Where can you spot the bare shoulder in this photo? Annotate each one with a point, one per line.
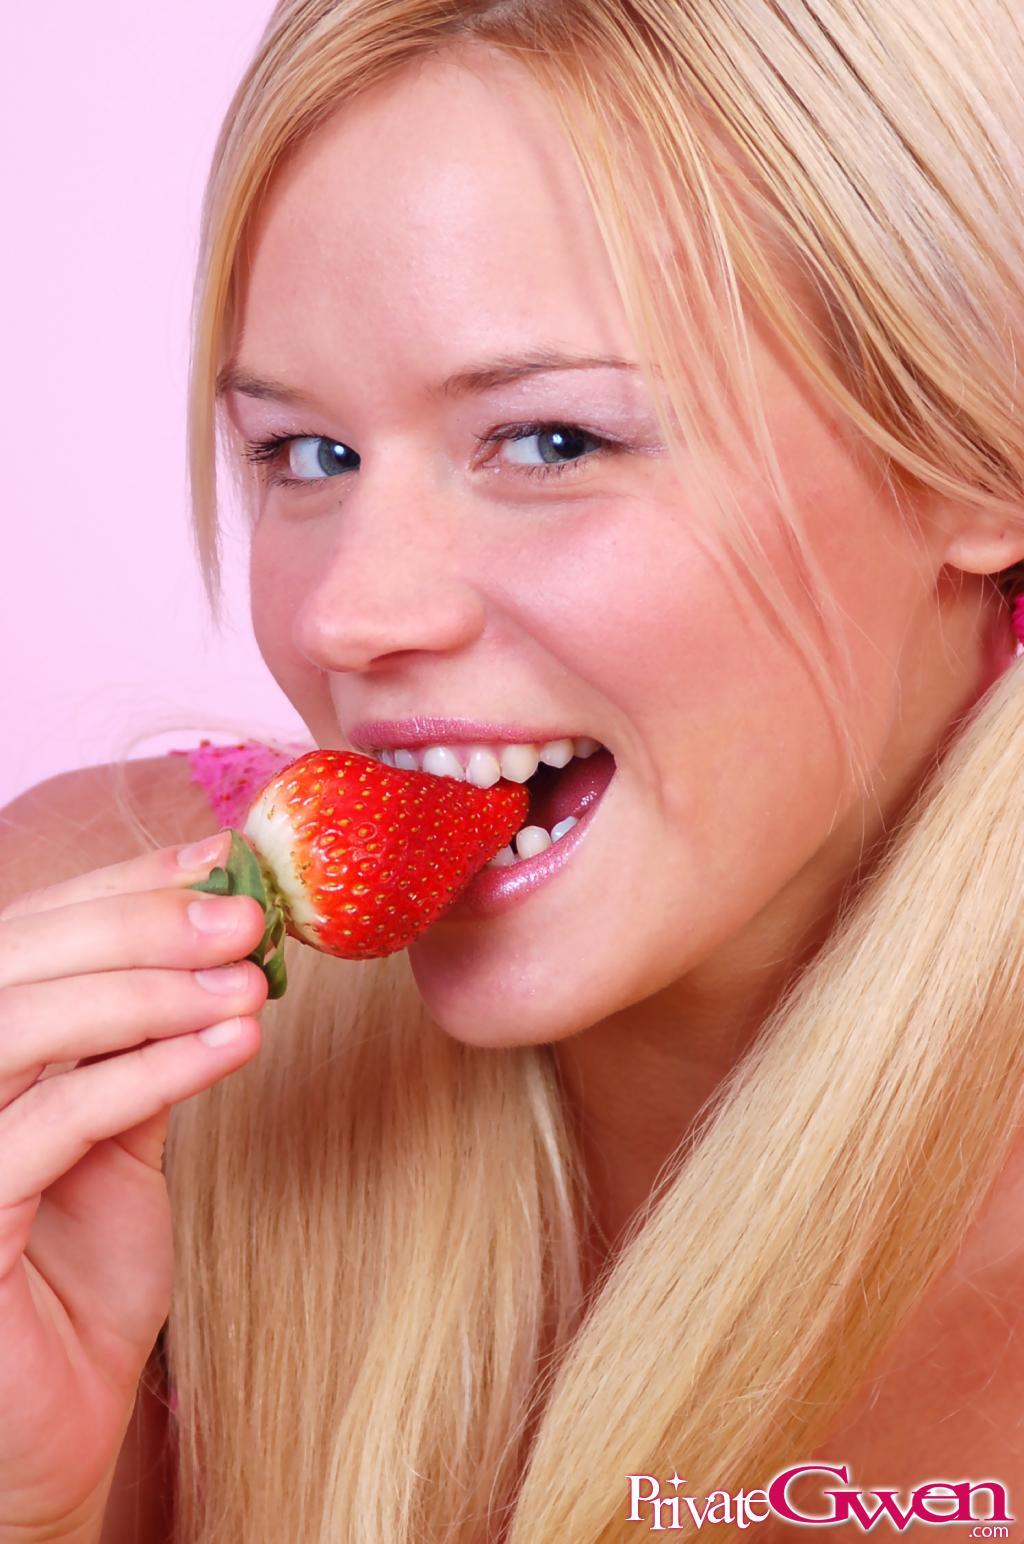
(93, 816)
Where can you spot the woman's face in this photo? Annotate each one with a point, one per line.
(430, 227)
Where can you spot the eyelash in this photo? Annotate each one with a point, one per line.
(266, 451)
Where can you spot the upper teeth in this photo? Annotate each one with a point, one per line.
(484, 763)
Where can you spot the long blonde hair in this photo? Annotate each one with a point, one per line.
(379, 1294)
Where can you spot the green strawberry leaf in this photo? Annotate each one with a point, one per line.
(276, 975)
(242, 875)
(218, 882)
(245, 871)
(266, 940)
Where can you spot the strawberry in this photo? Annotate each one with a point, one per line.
(357, 858)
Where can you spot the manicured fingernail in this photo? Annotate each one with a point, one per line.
(204, 854)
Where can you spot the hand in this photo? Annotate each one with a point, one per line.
(98, 971)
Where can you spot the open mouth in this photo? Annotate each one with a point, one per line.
(559, 796)
(562, 809)
(563, 793)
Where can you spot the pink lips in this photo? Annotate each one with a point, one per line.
(384, 734)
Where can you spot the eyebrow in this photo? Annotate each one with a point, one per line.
(484, 376)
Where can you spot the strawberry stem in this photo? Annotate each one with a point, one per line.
(244, 874)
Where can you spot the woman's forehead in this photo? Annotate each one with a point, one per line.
(434, 151)
(470, 227)
(441, 217)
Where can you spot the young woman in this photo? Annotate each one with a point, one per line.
(626, 372)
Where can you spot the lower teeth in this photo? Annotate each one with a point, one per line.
(530, 841)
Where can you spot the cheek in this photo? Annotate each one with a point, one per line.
(279, 578)
(721, 730)
(641, 607)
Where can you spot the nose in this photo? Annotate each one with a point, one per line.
(397, 579)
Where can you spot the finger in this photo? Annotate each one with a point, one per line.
(52, 1126)
(88, 1018)
(117, 932)
(164, 868)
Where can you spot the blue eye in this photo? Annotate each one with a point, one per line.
(329, 457)
(562, 438)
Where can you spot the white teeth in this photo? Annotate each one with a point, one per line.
(483, 764)
(558, 753)
(519, 762)
(483, 768)
(531, 840)
(442, 761)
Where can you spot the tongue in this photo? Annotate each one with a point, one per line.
(555, 793)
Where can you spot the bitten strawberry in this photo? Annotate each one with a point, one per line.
(357, 858)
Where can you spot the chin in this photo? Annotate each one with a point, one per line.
(492, 1010)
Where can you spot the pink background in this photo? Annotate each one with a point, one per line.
(110, 111)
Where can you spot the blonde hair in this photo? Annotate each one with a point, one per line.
(379, 1309)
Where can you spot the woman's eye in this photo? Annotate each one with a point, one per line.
(554, 441)
(311, 458)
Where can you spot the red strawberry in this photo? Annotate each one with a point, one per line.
(358, 858)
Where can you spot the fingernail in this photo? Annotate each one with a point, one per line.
(214, 916)
(223, 979)
(221, 1034)
(204, 854)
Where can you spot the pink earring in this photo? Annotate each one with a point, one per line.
(1018, 617)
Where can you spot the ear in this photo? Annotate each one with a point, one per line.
(981, 541)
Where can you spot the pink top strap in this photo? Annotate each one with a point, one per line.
(232, 775)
